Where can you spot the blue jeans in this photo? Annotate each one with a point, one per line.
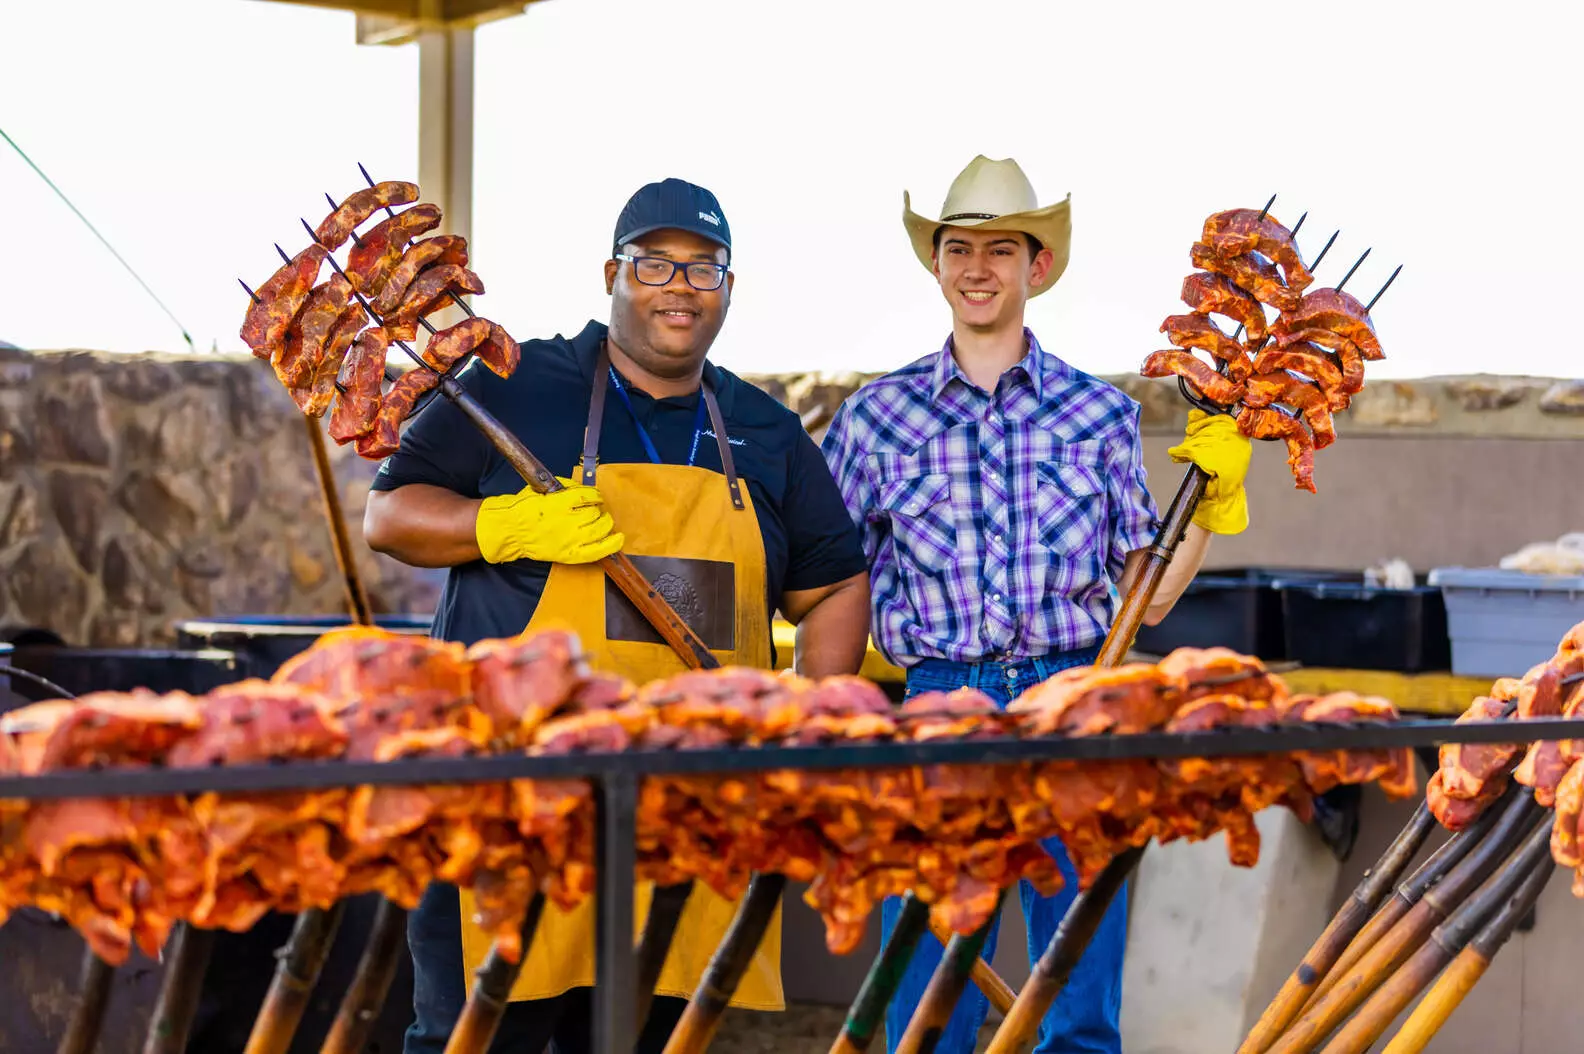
(1085, 1015)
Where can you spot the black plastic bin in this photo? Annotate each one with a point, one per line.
(1237, 608)
(264, 642)
(1352, 625)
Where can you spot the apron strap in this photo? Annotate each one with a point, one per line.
(596, 417)
(728, 466)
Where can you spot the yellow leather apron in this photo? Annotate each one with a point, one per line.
(694, 535)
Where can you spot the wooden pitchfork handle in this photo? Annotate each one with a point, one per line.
(618, 567)
(988, 981)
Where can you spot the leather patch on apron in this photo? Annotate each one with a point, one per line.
(703, 592)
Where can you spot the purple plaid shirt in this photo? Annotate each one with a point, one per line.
(994, 524)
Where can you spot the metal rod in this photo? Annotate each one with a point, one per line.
(618, 566)
(185, 967)
(1330, 242)
(481, 1017)
(1355, 267)
(1008, 749)
(1266, 209)
(1449, 938)
(866, 1016)
(660, 926)
(82, 1032)
(1367, 896)
(724, 973)
(376, 971)
(28, 675)
(1470, 965)
(945, 988)
(615, 865)
(1383, 288)
(1315, 1024)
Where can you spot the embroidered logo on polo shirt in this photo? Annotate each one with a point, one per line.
(729, 439)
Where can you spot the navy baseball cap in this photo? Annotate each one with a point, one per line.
(673, 204)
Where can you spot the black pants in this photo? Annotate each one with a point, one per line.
(434, 934)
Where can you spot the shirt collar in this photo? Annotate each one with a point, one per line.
(1032, 365)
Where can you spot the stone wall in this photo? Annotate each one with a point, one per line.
(139, 490)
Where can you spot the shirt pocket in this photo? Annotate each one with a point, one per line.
(923, 522)
(1069, 507)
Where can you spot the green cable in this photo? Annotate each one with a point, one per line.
(22, 154)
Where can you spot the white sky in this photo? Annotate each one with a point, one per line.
(195, 132)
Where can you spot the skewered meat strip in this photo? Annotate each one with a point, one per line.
(1543, 695)
(1248, 271)
(278, 300)
(519, 683)
(1267, 389)
(1211, 294)
(1339, 312)
(1180, 363)
(335, 228)
(1197, 331)
(371, 261)
(1347, 354)
(1268, 423)
(1085, 702)
(1245, 230)
(494, 348)
(315, 397)
(296, 359)
(1310, 362)
(1392, 769)
(429, 292)
(442, 249)
(358, 404)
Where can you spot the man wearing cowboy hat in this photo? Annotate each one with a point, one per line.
(1001, 498)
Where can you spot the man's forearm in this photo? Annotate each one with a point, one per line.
(1185, 564)
(422, 526)
(833, 634)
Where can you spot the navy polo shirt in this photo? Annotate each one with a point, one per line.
(809, 539)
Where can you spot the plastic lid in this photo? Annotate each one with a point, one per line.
(1496, 578)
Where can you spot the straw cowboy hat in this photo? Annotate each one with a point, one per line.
(995, 195)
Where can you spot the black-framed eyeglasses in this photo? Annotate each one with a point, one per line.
(657, 270)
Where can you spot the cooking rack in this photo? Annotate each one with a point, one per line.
(615, 778)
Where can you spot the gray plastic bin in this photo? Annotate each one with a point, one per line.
(1504, 622)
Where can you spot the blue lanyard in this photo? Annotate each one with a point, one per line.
(649, 447)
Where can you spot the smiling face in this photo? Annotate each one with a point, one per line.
(667, 329)
(986, 276)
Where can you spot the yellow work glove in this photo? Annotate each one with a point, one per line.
(569, 526)
(1216, 446)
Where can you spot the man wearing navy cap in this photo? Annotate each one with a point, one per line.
(711, 487)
